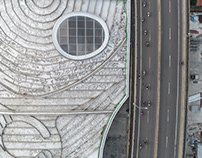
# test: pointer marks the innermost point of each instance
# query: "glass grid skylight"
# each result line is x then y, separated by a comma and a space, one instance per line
80, 35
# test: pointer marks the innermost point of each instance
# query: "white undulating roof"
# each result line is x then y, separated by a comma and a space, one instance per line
51, 106
199, 150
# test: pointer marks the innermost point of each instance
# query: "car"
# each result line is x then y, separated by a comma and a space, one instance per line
147, 87
181, 63
142, 19
144, 72
144, 4
148, 14
149, 103
145, 32
147, 44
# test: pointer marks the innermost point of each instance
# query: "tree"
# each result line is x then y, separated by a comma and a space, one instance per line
193, 2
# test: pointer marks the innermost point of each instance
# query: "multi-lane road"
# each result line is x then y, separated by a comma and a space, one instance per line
165, 75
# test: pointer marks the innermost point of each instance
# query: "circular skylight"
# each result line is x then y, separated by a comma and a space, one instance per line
80, 35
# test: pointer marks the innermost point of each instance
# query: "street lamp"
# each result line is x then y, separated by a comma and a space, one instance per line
140, 107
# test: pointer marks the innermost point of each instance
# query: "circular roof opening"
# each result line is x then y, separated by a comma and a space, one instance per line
80, 35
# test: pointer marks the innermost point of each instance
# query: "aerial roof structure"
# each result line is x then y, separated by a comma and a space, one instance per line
199, 150
64, 75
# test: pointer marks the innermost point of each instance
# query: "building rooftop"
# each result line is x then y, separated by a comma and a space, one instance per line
52, 105
199, 150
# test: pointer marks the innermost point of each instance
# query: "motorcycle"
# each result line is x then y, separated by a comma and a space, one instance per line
140, 146
147, 87
145, 32
141, 113
149, 103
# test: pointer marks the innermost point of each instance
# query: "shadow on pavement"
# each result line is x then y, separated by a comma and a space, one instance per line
117, 138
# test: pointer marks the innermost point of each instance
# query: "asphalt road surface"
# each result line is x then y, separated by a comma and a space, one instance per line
170, 79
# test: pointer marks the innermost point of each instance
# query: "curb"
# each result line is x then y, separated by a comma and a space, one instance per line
185, 88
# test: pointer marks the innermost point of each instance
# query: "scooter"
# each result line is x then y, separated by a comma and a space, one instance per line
145, 32
149, 103
147, 87
141, 113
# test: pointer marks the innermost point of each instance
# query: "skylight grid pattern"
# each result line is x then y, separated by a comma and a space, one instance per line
80, 35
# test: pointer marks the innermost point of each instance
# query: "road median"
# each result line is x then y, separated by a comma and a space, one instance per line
158, 81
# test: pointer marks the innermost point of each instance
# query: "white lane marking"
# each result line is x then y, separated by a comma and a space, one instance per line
148, 116
149, 35
149, 6
169, 88
169, 6
166, 141
169, 60
170, 33
149, 62
168, 115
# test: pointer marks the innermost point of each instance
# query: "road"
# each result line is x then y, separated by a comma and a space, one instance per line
160, 122
170, 78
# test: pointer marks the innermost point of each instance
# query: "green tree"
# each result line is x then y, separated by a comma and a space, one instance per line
193, 2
